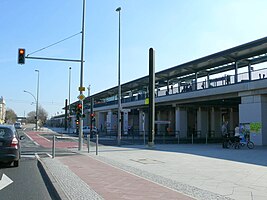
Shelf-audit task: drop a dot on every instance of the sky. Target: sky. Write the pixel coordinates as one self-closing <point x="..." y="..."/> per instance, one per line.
<point x="178" y="30"/>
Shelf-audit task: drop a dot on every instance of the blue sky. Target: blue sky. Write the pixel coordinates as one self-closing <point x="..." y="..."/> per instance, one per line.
<point x="178" y="30"/>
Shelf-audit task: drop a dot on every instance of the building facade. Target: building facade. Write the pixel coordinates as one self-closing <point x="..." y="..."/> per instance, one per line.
<point x="2" y="110"/>
<point x="194" y="99"/>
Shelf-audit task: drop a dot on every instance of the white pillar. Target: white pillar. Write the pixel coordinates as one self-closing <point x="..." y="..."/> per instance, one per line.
<point x="202" y="122"/>
<point x="109" y="121"/>
<point x="141" y="122"/>
<point x="199" y="122"/>
<point x="101" y="121"/>
<point x="125" y="121"/>
<point x="181" y="121"/>
<point x="212" y="122"/>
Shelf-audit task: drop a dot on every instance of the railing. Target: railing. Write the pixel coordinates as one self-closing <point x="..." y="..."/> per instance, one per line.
<point x="189" y="87"/>
<point x="160" y="137"/>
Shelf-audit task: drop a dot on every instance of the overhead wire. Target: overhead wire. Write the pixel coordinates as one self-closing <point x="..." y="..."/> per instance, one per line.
<point x="54" y="43"/>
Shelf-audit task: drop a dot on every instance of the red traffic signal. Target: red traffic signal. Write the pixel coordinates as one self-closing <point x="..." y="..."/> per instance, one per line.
<point x="21" y="56"/>
<point x="79" y="111"/>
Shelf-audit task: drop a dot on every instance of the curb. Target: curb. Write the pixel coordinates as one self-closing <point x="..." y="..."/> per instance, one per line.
<point x="51" y="183"/>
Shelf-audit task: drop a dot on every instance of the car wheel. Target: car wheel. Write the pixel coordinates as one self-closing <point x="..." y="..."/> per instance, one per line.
<point x="16" y="163"/>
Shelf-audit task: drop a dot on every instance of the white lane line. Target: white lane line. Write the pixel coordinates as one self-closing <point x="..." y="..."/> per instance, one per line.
<point x="27" y="156"/>
<point x="44" y="138"/>
<point x="31" y="139"/>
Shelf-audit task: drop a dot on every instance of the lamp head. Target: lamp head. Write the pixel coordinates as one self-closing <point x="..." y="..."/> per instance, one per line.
<point x="118" y="9"/>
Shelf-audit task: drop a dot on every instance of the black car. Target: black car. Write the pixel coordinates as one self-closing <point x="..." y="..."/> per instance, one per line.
<point x="9" y="145"/>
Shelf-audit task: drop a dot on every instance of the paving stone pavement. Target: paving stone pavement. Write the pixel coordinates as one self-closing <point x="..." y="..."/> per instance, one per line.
<point x="183" y="171"/>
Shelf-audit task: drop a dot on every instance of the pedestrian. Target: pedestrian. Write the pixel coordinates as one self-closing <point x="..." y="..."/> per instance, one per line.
<point x="237" y="134"/>
<point x="224" y="134"/>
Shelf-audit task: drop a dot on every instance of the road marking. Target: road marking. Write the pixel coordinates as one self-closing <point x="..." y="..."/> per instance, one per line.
<point x="27" y="156"/>
<point x="49" y="155"/>
<point x="44" y="138"/>
<point x="32" y="139"/>
<point x="5" y="181"/>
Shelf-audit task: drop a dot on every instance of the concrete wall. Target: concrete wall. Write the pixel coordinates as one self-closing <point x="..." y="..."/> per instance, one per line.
<point x="253" y="108"/>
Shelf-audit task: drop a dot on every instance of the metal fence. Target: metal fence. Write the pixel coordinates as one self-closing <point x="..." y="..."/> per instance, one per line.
<point x="161" y="137"/>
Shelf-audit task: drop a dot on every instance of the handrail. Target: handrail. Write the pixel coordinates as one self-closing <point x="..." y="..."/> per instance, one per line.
<point x="189" y="87"/>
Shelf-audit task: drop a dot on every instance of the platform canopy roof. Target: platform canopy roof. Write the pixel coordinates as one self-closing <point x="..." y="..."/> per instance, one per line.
<point x="253" y="52"/>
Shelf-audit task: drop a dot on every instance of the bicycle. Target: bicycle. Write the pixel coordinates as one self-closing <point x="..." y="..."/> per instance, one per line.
<point x="247" y="143"/>
<point x="232" y="142"/>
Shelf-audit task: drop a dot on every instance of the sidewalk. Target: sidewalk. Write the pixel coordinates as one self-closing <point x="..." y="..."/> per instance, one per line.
<point x="164" y="172"/>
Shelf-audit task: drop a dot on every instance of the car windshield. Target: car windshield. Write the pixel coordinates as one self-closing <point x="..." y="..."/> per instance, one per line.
<point x="5" y="133"/>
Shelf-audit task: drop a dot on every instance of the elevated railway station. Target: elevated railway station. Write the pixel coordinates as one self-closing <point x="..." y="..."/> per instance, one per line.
<point x="193" y="99"/>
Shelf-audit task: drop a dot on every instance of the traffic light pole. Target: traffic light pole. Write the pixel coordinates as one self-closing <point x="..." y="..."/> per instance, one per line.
<point x="21" y="60"/>
<point x="81" y="129"/>
<point x="80" y="147"/>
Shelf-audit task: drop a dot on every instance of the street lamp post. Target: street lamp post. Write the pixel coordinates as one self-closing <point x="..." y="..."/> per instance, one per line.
<point x="119" y="84"/>
<point x="37" y="101"/>
<point x="69" y="101"/>
<point x="36" y="107"/>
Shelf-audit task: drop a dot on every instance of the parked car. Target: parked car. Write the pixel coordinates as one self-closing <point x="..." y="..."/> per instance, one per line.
<point x="18" y="125"/>
<point x="86" y="130"/>
<point x="9" y="145"/>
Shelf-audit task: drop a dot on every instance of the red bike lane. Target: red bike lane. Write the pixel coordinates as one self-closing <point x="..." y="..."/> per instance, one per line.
<point x="46" y="142"/>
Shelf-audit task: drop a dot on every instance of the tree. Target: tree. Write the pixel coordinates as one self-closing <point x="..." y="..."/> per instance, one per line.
<point x="42" y="116"/>
<point x="11" y="116"/>
<point x="31" y="117"/>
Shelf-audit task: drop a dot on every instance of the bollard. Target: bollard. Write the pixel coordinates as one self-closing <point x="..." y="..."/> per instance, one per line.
<point x="96" y="146"/>
<point x="206" y="138"/>
<point x="54" y="147"/>
<point x="88" y="142"/>
<point x="192" y="138"/>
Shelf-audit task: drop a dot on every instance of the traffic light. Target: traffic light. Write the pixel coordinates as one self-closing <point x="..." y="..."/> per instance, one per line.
<point x="79" y="111"/>
<point x="21" y="56"/>
<point x="92" y="117"/>
<point x="77" y="122"/>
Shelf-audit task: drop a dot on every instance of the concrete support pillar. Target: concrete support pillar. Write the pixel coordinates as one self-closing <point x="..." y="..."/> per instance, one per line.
<point x="109" y="121"/>
<point x="101" y="121"/>
<point x="199" y="123"/>
<point x="170" y="118"/>
<point x="202" y="122"/>
<point x="125" y="121"/>
<point x="181" y="121"/>
<point x="141" y="122"/>
<point x="212" y="122"/>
